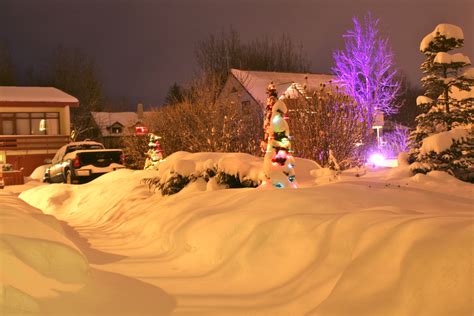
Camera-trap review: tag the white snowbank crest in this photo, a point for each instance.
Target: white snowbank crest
(447, 30)
(442, 141)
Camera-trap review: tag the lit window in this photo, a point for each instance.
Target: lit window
(116, 130)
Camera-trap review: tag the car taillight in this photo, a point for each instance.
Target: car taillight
(122, 158)
(77, 162)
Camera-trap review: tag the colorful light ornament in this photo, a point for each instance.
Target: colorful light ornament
(278, 162)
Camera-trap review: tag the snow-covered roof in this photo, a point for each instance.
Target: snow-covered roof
(256, 82)
(105, 120)
(446, 30)
(36, 95)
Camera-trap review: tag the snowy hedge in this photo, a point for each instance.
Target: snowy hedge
(230, 170)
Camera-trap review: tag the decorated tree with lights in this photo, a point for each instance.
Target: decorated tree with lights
(447, 107)
(365, 69)
(154, 154)
(278, 161)
(271, 100)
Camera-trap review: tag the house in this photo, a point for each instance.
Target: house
(113, 126)
(248, 88)
(34, 123)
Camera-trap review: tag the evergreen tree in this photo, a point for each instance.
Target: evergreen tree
(174, 95)
(448, 104)
(7, 73)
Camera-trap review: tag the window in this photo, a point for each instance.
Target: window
(83, 146)
(29, 123)
(245, 107)
(116, 130)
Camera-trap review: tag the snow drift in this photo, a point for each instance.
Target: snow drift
(354, 246)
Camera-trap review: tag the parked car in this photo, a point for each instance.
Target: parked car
(79, 162)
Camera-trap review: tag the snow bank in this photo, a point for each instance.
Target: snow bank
(37, 259)
(38, 173)
(446, 30)
(442, 141)
(447, 58)
(246, 168)
(356, 246)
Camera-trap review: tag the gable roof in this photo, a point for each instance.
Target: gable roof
(106, 119)
(256, 82)
(35, 96)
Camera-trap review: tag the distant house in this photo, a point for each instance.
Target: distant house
(34, 123)
(113, 126)
(248, 88)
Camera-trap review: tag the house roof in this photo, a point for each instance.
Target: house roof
(107, 119)
(35, 96)
(256, 82)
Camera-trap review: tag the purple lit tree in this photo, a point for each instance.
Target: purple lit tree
(365, 69)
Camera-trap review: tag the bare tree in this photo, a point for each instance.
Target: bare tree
(217, 54)
(201, 122)
(327, 121)
(365, 68)
(7, 72)
(75, 73)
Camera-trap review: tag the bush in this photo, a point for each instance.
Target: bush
(327, 120)
(232, 170)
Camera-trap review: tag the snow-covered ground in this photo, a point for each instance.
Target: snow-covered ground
(377, 244)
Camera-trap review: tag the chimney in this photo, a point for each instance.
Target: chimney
(140, 111)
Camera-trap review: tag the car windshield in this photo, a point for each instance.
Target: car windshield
(83, 147)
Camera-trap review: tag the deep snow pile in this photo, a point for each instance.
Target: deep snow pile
(45, 270)
(354, 246)
(36, 258)
(217, 170)
(38, 173)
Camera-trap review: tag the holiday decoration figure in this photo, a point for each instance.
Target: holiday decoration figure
(278, 161)
(271, 99)
(154, 154)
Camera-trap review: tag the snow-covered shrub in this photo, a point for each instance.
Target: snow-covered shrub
(231, 170)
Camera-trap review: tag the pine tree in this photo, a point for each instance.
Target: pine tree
(278, 161)
(448, 104)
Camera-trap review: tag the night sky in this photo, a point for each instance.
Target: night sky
(142, 47)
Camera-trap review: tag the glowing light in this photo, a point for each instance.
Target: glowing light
(276, 119)
(140, 130)
(377, 159)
